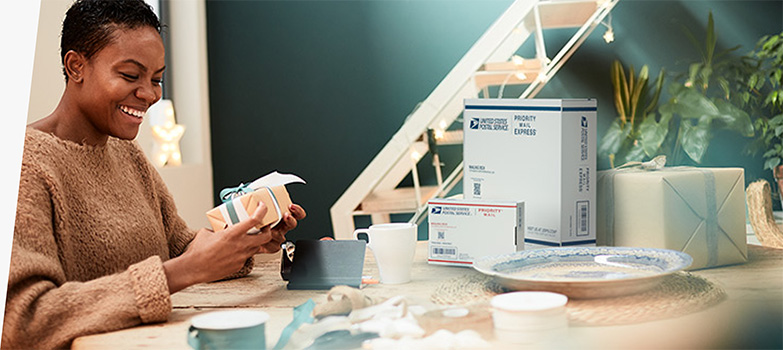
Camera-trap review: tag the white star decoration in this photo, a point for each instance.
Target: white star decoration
(166, 149)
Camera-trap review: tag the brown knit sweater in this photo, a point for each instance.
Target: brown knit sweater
(93, 226)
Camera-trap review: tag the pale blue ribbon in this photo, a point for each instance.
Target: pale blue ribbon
(302, 315)
(712, 218)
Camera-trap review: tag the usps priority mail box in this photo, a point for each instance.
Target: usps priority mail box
(542, 152)
(461, 231)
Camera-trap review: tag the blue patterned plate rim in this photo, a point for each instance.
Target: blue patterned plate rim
(663, 261)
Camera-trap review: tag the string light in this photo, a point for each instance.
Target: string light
(609, 34)
(518, 63)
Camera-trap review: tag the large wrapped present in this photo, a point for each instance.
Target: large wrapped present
(242, 201)
(699, 211)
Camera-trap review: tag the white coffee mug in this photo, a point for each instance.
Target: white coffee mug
(393, 246)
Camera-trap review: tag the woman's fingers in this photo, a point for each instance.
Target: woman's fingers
(268, 239)
(297, 211)
(274, 244)
(254, 220)
(287, 224)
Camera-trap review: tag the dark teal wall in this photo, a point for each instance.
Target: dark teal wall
(317, 88)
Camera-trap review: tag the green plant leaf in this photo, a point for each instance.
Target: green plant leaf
(759, 84)
(618, 95)
(652, 134)
(638, 89)
(705, 75)
(695, 140)
(693, 73)
(624, 93)
(635, 153)
(734, 118)
(771, 163)
(724, 86)
(613, 139)
(693, 40)
(656, 95)
(711, 40)
(691, 104)
(726, 52)
(772, 98)
(752, 80)
(769, 42)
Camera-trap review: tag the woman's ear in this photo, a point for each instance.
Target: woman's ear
(74, 66)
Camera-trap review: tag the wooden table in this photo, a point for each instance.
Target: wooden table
(751, 317)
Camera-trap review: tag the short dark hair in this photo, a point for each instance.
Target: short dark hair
(89, 25)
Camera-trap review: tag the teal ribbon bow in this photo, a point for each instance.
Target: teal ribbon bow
(227, 194)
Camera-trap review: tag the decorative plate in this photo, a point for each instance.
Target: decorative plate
(584, 272)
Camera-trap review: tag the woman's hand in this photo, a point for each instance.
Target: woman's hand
(289, 222)
(215, 255)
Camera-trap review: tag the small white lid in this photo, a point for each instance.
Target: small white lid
(234, 319)
(528, 301)
(455, 312)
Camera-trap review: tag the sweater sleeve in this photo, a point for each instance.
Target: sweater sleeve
(179, 235)
(177, 232)
(44, 310)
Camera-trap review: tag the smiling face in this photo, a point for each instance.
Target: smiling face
(119, 83)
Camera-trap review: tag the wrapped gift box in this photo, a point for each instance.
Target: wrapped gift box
(699, 211)
(241, 202)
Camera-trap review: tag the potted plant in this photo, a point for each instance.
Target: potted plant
(705, 101)
(764, 97)
(701, 101)
(635, 134)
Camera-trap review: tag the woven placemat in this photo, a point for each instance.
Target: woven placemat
(677, 295)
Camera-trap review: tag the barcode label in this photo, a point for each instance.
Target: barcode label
(583, 218)
(441, 251)
(477, 188)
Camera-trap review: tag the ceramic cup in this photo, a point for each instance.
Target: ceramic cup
(393, 246)
(236, 329)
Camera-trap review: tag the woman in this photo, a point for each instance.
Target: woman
(98, 245)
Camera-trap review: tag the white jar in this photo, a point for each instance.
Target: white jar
(529, 317)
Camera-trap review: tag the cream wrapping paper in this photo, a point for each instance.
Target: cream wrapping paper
(699, 211)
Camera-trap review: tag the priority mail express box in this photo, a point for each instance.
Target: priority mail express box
(542, 152)
(461, 231)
